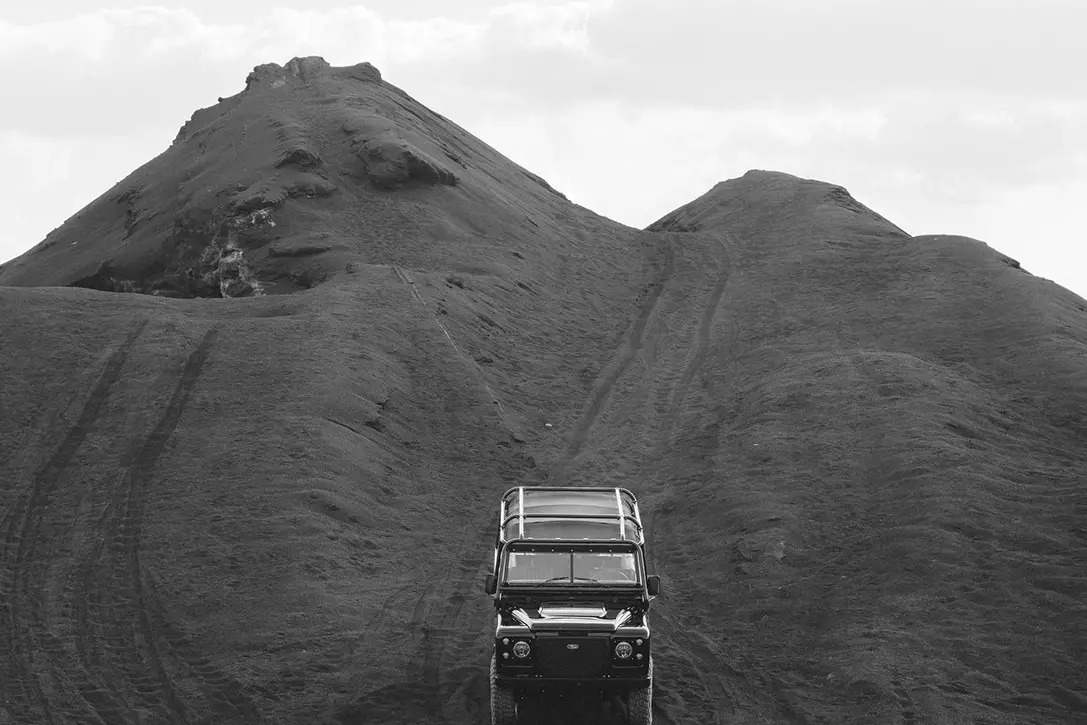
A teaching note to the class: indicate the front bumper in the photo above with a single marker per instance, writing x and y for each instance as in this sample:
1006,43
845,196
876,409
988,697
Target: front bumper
538,682
573,659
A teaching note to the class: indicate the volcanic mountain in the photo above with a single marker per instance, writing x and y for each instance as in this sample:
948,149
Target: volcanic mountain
261,487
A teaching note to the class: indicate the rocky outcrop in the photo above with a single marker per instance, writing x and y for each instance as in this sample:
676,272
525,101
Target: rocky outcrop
392,163
388,159
204,257
307,67
295,148
362,72
270,72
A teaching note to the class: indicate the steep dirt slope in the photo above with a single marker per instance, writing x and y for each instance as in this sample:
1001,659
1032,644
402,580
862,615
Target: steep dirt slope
860,453
260,511
872,498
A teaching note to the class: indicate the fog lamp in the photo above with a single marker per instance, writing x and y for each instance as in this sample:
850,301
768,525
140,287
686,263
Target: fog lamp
623,650
521,650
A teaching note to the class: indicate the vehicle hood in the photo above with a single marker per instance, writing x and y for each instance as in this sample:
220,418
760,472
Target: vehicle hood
569,617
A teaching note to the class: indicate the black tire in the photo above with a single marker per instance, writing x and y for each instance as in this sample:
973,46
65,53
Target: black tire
640,702
503,703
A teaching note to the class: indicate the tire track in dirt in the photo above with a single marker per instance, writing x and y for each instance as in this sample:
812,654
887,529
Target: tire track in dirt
149,651
714,694
455,636
21,691
724,691
705,328
160,652
613,371
451,682
702,695
125,532
703,701
92,640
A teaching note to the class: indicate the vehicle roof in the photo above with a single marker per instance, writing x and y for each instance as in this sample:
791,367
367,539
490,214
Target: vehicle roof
553,513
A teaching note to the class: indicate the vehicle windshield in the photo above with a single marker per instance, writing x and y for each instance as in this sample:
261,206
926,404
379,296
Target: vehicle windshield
571,567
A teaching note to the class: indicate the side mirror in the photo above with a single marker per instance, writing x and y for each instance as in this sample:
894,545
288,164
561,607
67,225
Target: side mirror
653,584
490,584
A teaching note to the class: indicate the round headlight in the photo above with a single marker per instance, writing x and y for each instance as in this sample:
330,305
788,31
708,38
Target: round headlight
521,650
623,650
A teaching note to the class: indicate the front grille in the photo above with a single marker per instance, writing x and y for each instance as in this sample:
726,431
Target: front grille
558,659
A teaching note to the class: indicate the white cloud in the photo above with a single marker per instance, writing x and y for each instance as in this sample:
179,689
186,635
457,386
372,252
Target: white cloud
343,35
988,119
132,36
436,39
564,25
84,36
42,161
111,60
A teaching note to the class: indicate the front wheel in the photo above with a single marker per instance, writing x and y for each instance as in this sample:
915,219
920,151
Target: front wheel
640,703
503,703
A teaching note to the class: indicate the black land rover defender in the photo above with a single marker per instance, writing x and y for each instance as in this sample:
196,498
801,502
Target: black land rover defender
572,595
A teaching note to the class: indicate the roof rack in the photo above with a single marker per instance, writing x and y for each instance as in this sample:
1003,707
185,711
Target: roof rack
555,513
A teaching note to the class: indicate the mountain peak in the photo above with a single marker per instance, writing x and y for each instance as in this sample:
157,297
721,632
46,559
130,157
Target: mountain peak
762,193
286,183
305,69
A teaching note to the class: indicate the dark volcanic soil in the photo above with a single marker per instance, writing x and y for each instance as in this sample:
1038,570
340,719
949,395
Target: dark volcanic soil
861,454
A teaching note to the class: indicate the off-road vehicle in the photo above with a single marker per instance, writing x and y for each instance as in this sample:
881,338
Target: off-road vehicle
572,597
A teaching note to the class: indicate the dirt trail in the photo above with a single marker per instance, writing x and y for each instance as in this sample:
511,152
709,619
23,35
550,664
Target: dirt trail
22,692
704,681
451,622
698,680
87,635
705,328
610,375
696,683
698,677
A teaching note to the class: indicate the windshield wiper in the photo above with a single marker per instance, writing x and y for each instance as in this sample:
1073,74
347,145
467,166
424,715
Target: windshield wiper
566,578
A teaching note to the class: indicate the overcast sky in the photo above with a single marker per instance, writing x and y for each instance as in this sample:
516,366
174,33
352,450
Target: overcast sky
946,116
